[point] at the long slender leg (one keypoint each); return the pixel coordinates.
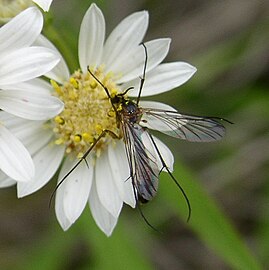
(104, 132)
(173, 178)
(142, 81)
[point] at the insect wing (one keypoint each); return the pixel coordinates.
(144, 171)
(187, 127)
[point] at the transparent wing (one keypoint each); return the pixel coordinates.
(144, 171)
(187, 127)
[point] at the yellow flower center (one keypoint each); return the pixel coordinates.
(87, 112)
(10, 8)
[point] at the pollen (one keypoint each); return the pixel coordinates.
(87, 112)
(74, 82)
(113, 92)
(56, 87)
(59, 120)
(77, 138)
(59, 141)
(93, 84)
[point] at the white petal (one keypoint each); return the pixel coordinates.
(151, 151)
(15, 124)
(6, 181)
(15, 161)
(60, 73)
(153, 122)
(33, 134)
(59, 209)
(165, 153)
(126, 36)
(46, 161)
(133, 66)
(59, 198)
(121, 172)
(156, 105)
(29, 105)
(35, 86)
(25, 64)
(21, 31)
(163, 78)
(76, 189)
(19, 125)
(44, 4)
(106, 188)
(105, 221)
(35, 139)
(91, 38)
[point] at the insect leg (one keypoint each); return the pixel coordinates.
(140, 210)
(172, 176)
(145, 219)
(142, 81)
(104, 132)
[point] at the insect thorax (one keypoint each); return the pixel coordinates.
(127, 109)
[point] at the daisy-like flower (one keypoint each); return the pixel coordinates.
(103, 181)
(20, 63)
(10, 8)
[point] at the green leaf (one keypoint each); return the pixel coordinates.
(263, 229)
(115, 252)
(48, 252)
(208, 221)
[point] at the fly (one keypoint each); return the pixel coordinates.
(134, 122)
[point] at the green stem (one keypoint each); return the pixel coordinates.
(59, 41)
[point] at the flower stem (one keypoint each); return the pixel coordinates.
(59, 41)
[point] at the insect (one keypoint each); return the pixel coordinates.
(131, 120)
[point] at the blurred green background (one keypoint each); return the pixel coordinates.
(227, 182)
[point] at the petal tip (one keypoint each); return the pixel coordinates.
(193, 70)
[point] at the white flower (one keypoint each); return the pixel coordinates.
(21, 62)
(10, 8)
(118, 62)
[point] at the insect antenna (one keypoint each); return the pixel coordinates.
(142, 81)
(105, 88)
(126, 91)
(173, 178)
